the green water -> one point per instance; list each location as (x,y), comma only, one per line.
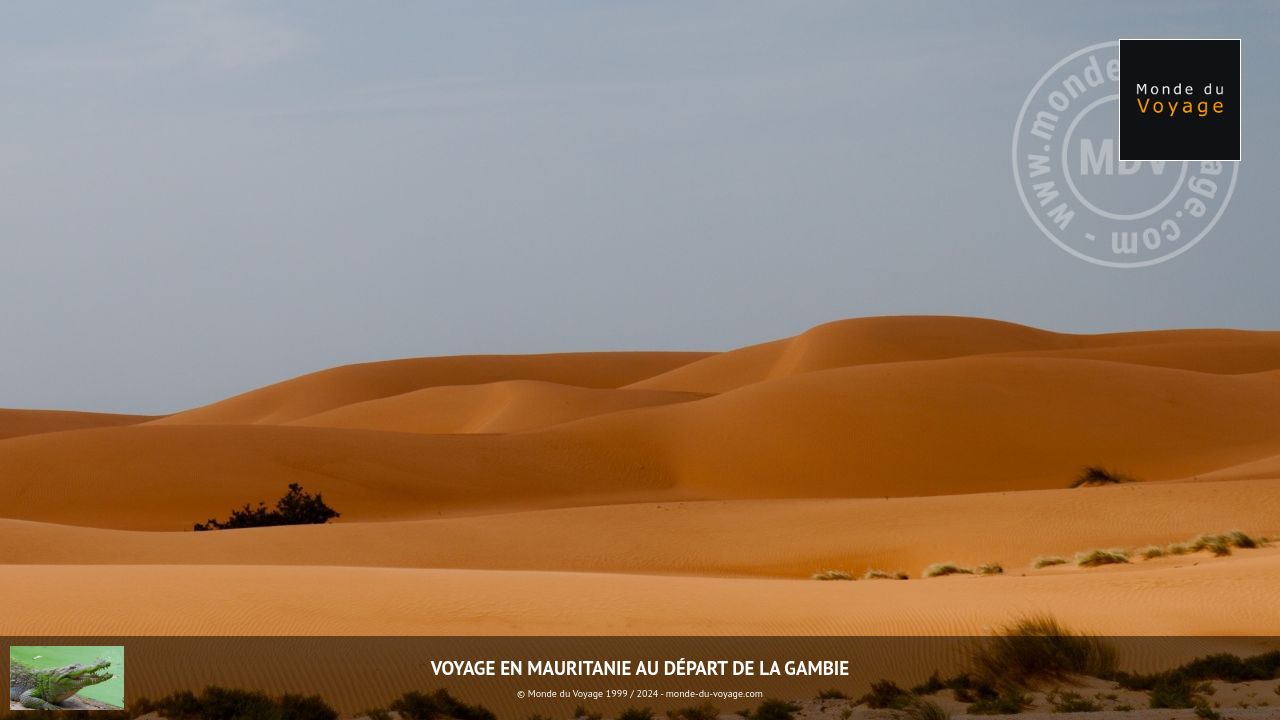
(110,692)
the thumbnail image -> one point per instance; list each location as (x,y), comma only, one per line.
(66,677)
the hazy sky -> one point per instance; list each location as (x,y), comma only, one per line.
(203,197)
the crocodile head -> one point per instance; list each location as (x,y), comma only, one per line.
(58,684)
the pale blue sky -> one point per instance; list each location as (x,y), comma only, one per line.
(204,197)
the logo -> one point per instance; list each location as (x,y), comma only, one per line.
(1107,211)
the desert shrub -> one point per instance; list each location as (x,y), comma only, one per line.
(832,694)
(832,575)
(926,710)
(934,684)
(967,688)
(875,574)
(1096,558)
(1045,561)
(1039,648)
(1242,540)
(1232,668)
(636,714)
(946,568)
(695,712)
(1094,475)
(1178,549)
(1009,702)
(295,508)
(886,694)
(1173,691)
(439,704)
(1207,713)
(216,703)
(990,569)
(775,710)
(1064,701)
(1219,545)
(1151,552)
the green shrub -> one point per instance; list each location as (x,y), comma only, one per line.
(990,569)
(1045,561)
(832,575)
(295,508)
(1096,558)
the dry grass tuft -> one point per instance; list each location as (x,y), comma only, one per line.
(943,569)
(1099,557)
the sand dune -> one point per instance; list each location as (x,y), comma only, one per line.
(17,423)
(710,538)
(865,341)
(167,477)
(965,425)
(945,427)
(266,600)
(502,407)
(328,389)
(649,493)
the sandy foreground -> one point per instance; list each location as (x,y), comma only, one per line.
(672,493)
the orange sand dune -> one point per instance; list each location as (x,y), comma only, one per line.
(722,538)
(1226,357)
(1235,596)
(503,407)
(165,477)
(865,341)
(328,389)
(943,427)
(962,425)
(652,493)
(16,423)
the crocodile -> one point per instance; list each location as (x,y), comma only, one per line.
(46,688)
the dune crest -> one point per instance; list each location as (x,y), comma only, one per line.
(501,407)
(328,389)
(19,423)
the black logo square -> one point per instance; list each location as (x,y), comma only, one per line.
(1179,99)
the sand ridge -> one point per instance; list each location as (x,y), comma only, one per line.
(650,493)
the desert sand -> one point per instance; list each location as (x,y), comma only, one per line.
(673,493)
